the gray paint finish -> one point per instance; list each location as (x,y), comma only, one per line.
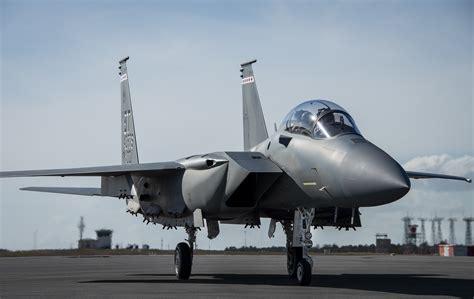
(255,129)
(129,138)
(425,175)
(323,163)
(148,169)
(66,190)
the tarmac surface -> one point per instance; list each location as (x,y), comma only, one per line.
(237,276)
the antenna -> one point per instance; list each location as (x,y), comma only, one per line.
(81,227)
(452,236)
(406,229)
(245,238)
(433,231)
(423,232)
(35,240)
(468,239)
(439,234)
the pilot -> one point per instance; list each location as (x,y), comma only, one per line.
(341,122)
(304,122)
(326,122)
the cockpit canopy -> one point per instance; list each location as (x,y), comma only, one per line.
(319,119)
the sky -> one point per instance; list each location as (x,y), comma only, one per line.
(403,69)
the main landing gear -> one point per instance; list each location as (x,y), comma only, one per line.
(183,254)
(298,240)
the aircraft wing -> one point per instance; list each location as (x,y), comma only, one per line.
(425,175)
(147,169)
(66,190)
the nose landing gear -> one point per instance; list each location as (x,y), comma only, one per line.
(298,240)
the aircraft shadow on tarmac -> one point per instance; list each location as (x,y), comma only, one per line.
(414,284)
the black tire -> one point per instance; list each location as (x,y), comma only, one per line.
(182,261)
(303,272)
(294,255)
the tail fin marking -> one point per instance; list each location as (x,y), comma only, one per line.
(129,141)
(255,130)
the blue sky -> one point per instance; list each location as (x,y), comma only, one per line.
(403,69)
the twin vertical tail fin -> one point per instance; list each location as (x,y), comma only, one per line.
(255,130)
(129,141)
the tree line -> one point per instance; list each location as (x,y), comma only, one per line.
(334,248)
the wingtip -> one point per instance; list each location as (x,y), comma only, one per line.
(468,180)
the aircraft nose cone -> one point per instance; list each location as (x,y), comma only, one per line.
(371,177)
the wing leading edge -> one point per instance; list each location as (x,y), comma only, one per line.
(425,175)
(66,190)
(148,169)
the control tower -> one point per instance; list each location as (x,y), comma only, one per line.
(104,239)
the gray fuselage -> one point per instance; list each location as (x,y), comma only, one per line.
(344,171)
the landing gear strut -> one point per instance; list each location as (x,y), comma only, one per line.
(183,254)
(298,240)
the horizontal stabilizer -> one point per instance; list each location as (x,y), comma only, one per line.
(148,169)
(425,175)
(66,190)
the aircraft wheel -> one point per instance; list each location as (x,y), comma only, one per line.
(294,255)
(182,261)
(303,272)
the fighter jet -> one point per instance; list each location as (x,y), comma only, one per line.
(316,169)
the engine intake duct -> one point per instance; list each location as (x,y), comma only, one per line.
(251,175)
(338,217)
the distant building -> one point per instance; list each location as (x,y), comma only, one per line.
(103,241)
(455,250)
(382,243)
(87,243)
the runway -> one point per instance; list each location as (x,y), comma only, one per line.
(237,276)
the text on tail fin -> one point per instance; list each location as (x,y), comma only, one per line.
(255,129)
(129,141)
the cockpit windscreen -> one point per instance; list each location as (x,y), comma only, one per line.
(319,119)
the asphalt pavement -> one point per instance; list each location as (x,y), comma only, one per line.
(236,276)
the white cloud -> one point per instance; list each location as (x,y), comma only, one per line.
(60,100)
(443,164)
